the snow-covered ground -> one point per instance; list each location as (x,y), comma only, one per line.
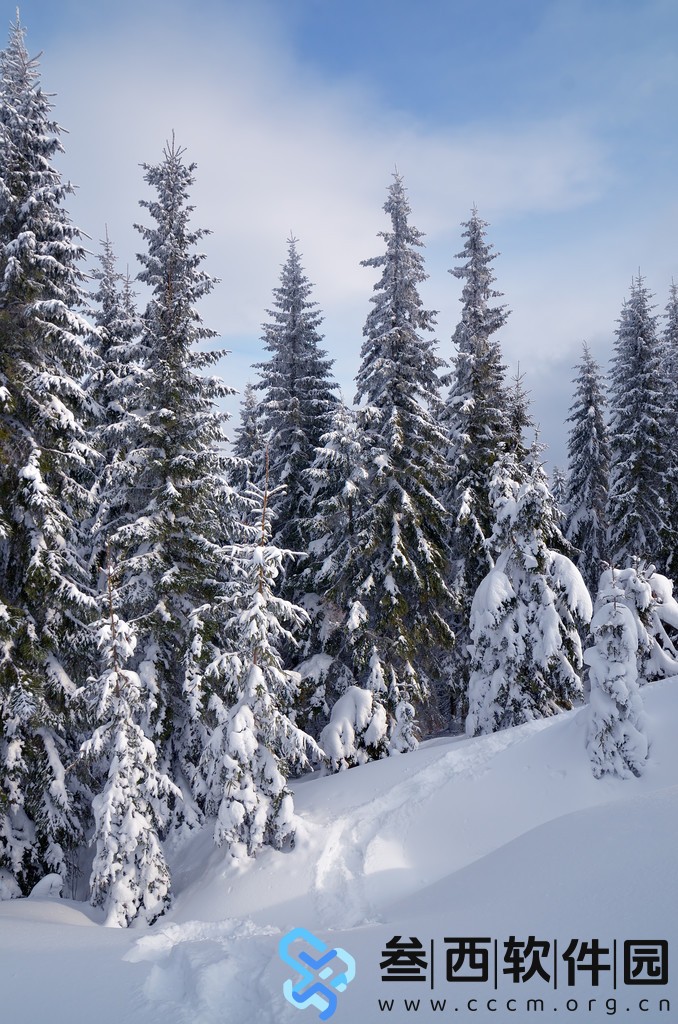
(499,836)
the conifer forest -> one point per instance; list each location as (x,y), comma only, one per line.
(193,613)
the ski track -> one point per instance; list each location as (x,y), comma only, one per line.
(339,888)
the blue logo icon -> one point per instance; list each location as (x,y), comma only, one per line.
(319,978)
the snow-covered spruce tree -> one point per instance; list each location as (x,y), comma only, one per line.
(358,729)
(21,711)
(297,399)
(397,559)
(662,628)
(640,444)
(118,386)
(476,420)
(559,487)
(616,739)
(335,481)
(670,339)
(588,465)
(43,477)
(254,744)
(648,595)
(249,444)
(172,556)
(130,878)
(671,334)
(521,424)
(526,651)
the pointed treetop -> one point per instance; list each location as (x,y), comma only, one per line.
(479,319)
(17,30)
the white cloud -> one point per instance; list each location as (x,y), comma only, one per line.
(279,149)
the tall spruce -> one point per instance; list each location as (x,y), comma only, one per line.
(559,489)
(118,386)
(254,744)
(297,401)
(521,424)
(397,560)
(131,794)
(670,338)
(336,481)
(248,442)
(172,560)
(639,513)
(44,480)
(588,453)
(476,420)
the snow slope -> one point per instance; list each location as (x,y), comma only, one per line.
(501,835)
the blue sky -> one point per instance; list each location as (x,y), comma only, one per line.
(556,117)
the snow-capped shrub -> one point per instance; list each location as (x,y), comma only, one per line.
(616,740)
(526,651)
(357,730)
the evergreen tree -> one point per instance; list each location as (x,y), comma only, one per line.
(118,387)
(616,738)
(648,595)
(640,461)
(298,401)
(479,319)
(526,651)
(559,489)
(172,556)
(662,628)
(248,444)
(129,877)
(254,744)
(21,712)
(44,479)
(520,424)
(588,461)
(670,339)
(357,731)
(476,421)
(396,563)
(337,477)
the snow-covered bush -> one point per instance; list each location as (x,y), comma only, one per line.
(649,597)
(526,652)
(616,740)
(357,730)
(129,877)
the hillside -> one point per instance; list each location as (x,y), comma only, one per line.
(499,836)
